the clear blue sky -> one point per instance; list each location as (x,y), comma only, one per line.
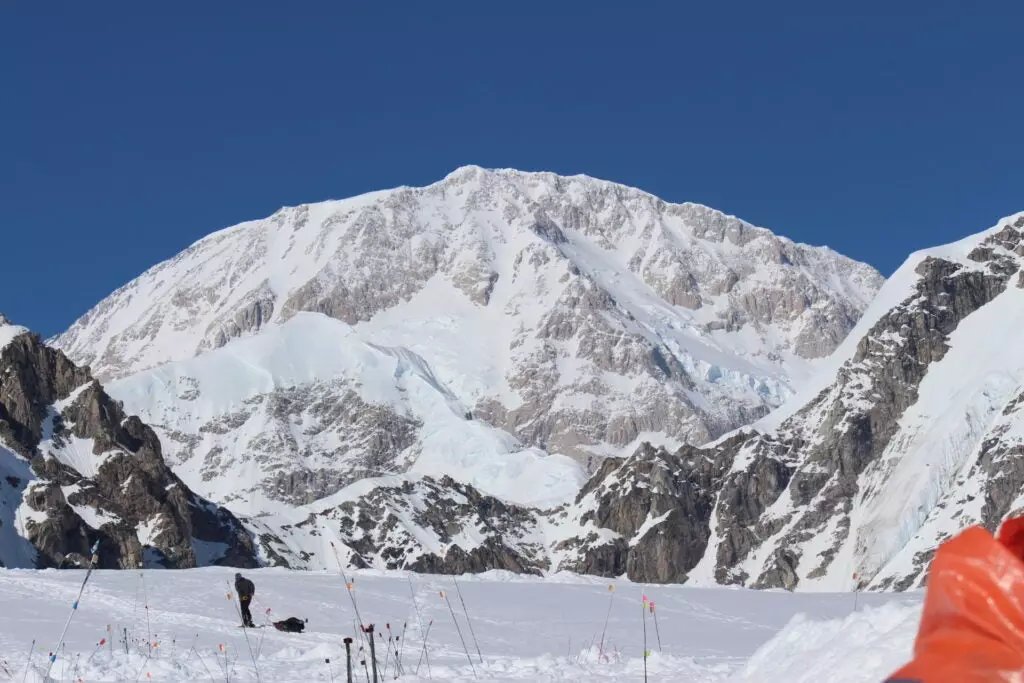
(129,131)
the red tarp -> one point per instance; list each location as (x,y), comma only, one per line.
(972,623)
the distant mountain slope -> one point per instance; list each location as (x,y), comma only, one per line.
(578,315)
(76,469)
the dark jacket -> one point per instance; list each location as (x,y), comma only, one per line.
(245,588)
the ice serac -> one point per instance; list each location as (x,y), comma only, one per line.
(75,469)
(908,434)
(551,315)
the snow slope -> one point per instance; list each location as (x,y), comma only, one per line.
(310,356)
(527,630)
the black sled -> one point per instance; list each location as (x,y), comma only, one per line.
(291,625)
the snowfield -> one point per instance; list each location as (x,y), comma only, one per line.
(528,629)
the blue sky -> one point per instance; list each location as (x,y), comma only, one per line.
(130,130)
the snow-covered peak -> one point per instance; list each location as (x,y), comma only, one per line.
(579,316)
(508,329)
(739,289)
(9,331)
(900,285)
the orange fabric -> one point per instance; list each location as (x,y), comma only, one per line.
(972,622)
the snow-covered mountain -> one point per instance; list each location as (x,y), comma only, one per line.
(911,432)
(414,377)
(509,329)
(75,470)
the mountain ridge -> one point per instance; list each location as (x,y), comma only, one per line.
(77,470)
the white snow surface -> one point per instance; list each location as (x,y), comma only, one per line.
(527,629)
(9,332)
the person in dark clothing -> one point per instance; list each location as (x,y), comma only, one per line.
(245,589)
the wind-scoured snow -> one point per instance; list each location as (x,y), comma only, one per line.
(183,625)
(15,549)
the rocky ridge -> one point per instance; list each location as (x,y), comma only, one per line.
(76,469)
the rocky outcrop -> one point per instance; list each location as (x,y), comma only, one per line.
(659,507)
(303,443)
(249,316)
(87,472)
(437,526)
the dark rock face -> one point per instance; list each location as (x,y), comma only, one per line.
(855,424)
(88,471)
(658,506)
(451,514)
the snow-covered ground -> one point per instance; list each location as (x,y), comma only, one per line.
(528,629)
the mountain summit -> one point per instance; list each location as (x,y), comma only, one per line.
(498,330)
(574,313)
